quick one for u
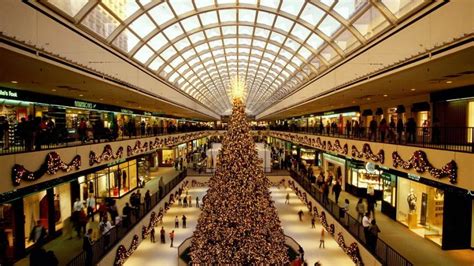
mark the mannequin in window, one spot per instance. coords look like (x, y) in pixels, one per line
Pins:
(124, 178)
(411, 199)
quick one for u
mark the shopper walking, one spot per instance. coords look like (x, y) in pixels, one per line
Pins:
(90, 203)
(373, 129)
(374, 231)
(185, 201)
(336, 189)
(287, 201)
(321, 239)
(171, 238)
(176, 222)
(184, 218)
(162, 235)
(197, 202)
(325, 190)
(400, 129)
(300, 215)
(152, 235)
(313, 222)
(366, 222)
(360, 208)
(147, 200)
(126, 213)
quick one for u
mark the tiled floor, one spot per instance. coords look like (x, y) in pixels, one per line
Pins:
(161, 254)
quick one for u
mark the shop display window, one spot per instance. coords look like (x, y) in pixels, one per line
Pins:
(389, 188)
(420, 208)
(8, 223)
(168, 157)
(308, 154)
(114, 181)
(62, 204)
(35, 209)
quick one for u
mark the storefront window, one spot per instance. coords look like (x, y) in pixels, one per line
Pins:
(309, 155)
(35, 209)
(8, 227)
(167, 157)
(420, 208)
(62, 204)
(389, 188)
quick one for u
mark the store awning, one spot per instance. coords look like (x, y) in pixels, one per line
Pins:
(379, 111)
(400, 109)
(421, 106)
(367, 112)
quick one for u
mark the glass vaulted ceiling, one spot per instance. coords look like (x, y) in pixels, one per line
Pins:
(199, 46)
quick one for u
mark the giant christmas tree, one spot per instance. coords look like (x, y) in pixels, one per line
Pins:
(239, 223)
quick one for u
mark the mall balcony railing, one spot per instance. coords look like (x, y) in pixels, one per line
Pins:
(444, 138)
(14, 143)
(105, 243)
(382, 251)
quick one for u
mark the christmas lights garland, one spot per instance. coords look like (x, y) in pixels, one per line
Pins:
(51, 166)
(353, 250)
(368, 154)
(107, 154)
(420, 163)
(122, 253)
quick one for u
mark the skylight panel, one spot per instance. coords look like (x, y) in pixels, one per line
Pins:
(161, 13)
(215, 44)
(70, 7)
(245, 30)
(197, 37)
(371, 23)
(204, 3)
(156, 64)
(345, 40)
(158, 41)
(181, 44)
(277, 37)
(292, 44)
(270, 3)
(300, 32)
(329, 25)
(262, 33)
(247, 15)
(182, 6)
(283, 24)
(213, 32)
(177, 61)
(125, 9)
(401, 7)
(265, 18)
(168, 53)
(126, 41)
(173, 31)
(245, 41)
(223, 2)
(230, 41)
(292, 6)
(273, 48)
(228, 15)
(229, 30)
(312, 14)
(188, 54)
(101, 22)
(191, 23)
(208, 18)
(314, 41)
(173, 77)
(305, 53)
(202, 47)
(143, 54)
(347, 8)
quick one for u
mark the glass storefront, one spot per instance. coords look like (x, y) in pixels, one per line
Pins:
(114, 181)
(420, 208)
(363, 179)
(309, 155)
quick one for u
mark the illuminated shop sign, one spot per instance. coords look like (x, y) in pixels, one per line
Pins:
(414, 177)
(126, 111)
(116, 162)
(86, 105)
(9, 93)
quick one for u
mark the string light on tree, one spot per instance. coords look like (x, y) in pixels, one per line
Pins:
(239, 224)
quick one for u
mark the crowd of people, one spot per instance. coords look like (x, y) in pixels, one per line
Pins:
(392, 131)
(33, 133)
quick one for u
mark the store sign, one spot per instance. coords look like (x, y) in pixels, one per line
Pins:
(9, 93)
(147, 113)
(329, 113)
(116, 162)
(85, 105)
(126, 111)
(414, 177)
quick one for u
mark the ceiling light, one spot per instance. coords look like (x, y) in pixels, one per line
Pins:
(449, 81)
(385, 95)
(413, 89)
(53, 89)
(14, 81)
(101, 99)
(80, 95)
(368, 99)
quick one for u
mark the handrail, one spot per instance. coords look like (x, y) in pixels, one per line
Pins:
(104, 244)
(383, 252)
(445, 138)
(22, 146)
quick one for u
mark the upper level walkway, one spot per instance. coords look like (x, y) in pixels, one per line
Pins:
(443, 138)
(10, 144)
